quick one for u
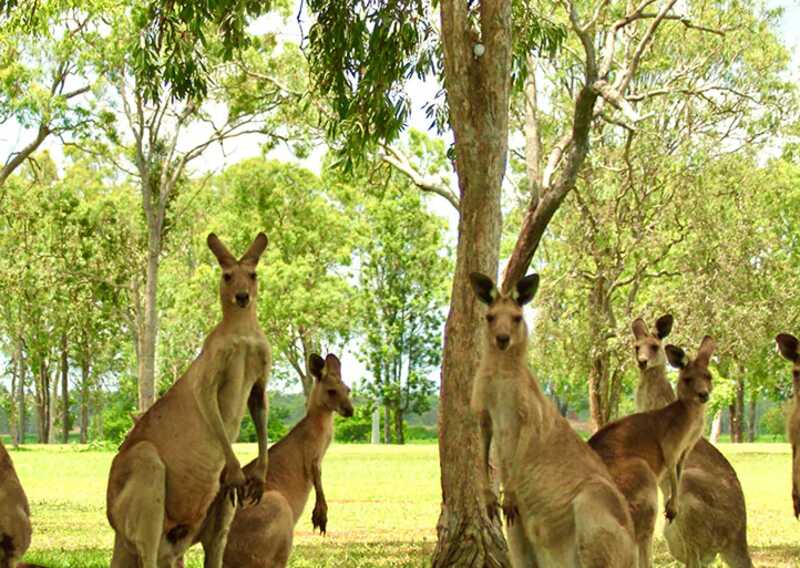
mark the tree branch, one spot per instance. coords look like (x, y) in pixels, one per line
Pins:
(399, 161)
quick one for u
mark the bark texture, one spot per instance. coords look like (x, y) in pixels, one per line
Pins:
(478, 97)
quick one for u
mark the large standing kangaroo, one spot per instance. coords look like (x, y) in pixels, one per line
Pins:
(172, 464)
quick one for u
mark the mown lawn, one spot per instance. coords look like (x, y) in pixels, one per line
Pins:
(383, 506)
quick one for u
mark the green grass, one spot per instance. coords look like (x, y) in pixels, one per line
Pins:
(383, 507)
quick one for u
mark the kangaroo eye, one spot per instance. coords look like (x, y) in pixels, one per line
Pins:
(653, 348)
(490, 318)
(252, 275)
(517, 319)
(331, 392)
(227, 277)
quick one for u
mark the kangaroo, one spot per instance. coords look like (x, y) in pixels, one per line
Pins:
(261, 536)
(713, 517)
(173, 462)
(15, 524)
(561, 505)
(639, 449)
(789, 347)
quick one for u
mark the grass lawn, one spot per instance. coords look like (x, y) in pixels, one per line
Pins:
(383, 507)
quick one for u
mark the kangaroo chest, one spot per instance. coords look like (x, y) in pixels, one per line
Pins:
(247, 366)
(503, 406)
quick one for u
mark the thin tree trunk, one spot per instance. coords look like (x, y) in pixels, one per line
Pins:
(399, 435)
(21, 403)
(716, 427)
(52, 409)
(478, 95)
(387, 425)
(84, 401)
(149, 334)
(752, 433)
(740, 408)
(16, 363)
(65, 389)
(376, 427)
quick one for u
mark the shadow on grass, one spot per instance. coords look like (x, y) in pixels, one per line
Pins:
(328, 555)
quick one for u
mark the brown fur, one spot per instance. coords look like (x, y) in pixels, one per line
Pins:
(561, 504)
(15, 524)
(639, 449)
(713, 518)
(789, 347)
(261, 536)
(170, 467)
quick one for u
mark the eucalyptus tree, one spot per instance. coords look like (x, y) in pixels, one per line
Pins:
(50, 83)
(403, 270)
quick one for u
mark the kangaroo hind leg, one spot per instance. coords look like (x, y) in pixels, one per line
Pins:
(138, 510)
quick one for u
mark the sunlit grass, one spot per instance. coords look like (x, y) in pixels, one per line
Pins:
(383, 507)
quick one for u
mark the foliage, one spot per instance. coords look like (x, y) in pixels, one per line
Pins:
(356, 429)
(403, 275)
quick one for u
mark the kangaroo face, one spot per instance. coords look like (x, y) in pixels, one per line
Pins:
(505, 326)
(334, 394)
(694, 383)
(694, 378)
(239, 283)
(648, 346)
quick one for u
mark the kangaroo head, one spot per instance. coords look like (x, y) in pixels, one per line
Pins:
(789, 348)
(648, 345)
(238, 288)
(505, 325)
(330, 392)
(694, 378)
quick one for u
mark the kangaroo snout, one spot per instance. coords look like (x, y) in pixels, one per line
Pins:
(347, 411)
(503, 341)
(242, 299)
(642, 364)
(703, 396)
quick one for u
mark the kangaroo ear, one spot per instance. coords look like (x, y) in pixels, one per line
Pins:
(676, 357)
(224, 257)
(484, 288)
(526, 289)
(664, 325)
(315, 365)
(788, 346)
(707, 347)
(639, 328)
(257, 247)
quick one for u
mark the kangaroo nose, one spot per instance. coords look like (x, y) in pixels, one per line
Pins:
(642, 364)
(242, 298)
(703, 397)
(502, 341)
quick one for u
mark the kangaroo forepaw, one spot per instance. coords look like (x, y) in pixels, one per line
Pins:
(253, 490)
(319, 518)
(510, 510)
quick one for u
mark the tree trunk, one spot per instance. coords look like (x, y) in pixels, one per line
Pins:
(387, 425)
(376, 427)
(477, 92)
(739, 435)
(599, 370)
(84, 401)
(21, 403)
(43, 403)
(65, 389)
(149, 332)
(752, 432)
(716, 427)
(399, 434)
(52, 411)
(16, 365)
